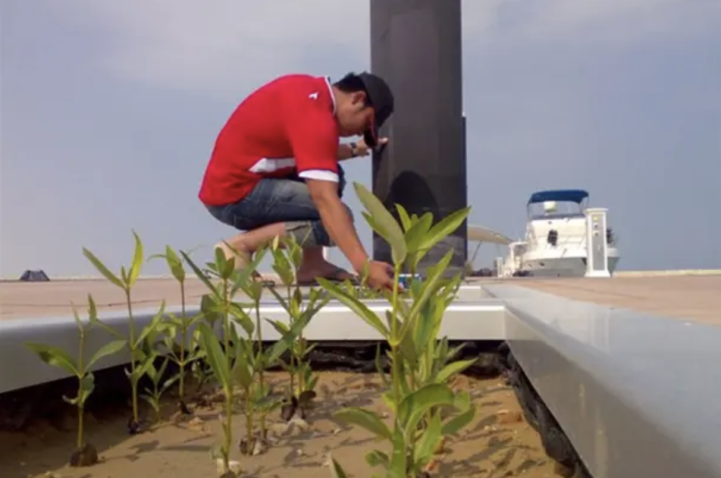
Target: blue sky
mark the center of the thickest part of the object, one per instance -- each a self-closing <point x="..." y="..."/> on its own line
<point x="110" y="110"/>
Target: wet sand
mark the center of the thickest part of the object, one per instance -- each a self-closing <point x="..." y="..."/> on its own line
<point x="499" y="443"/>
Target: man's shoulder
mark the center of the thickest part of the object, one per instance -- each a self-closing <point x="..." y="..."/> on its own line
<point x="294" y="91"/>
<point x="299" y="90"/>
<point x="297" y="82"/>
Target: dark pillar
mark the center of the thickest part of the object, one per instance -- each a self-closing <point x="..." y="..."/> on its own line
<point x="416" y="48"/>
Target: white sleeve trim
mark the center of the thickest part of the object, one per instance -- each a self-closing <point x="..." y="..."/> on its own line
<point x="320" y="174"/>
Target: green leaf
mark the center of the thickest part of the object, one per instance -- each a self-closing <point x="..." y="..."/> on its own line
<point x="146" y="364"/>
<point x="416" y="235"/>
<point x="201" y="275"/>
<point x="78" y="322"/>
<point x="225" y="265"/>
<point x="356" y="306"/>
<point x="102" y="269"/>
<point x="108" y="349"/>
<point x="408" y="349"/>
<point x="442" y="229"/>
<point x="383" y="222"/>
<point x="295" y="251"/>
<point x="152" y="373"/>
<point x="92" y="308"/>
<point x="365" y="419"/>
<point x="426" y="446"/>
<point x="87" y="386"/>
<point x="415" y="404"/>
<point x="175" y="264"/>
<point x="241" y="372"/>
<point x="399" y="456"/>
<point x="152" y="401"/>
<point x="137" y="263"/>
<point x="336" y="471"/>
<point x="454" y="368"/>
<point x="287" y="340"/>
<point x="430" y="287"/>
<point x="462" y="402"/>
<point x="246" y="323"/>
<point x="406" y="221"/>
<point x="242" y="279"/>
<point x="282" y="266"/>
<point x="54" y="356"/>
<point x="458" y="422"/>
<point x="152" y="327"/>
<point x="376" y="457"/>
<point x="281" y="327"/>
<point x="210" y="308"/>
<point x="215" y="357"/>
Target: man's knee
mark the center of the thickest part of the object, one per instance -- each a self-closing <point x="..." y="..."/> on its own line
<point x="313" y="232"/>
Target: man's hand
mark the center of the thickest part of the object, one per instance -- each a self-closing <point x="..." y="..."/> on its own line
<point x="380" y="275"/>
<point x="362" y="148"/>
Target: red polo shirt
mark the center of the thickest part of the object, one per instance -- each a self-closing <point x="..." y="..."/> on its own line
<point x="287" y="123"/>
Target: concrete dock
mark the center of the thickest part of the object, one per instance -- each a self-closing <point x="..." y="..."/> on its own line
<point x="686" y="297"/>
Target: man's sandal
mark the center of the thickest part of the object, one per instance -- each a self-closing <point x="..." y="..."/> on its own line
<point x="334" y="277"/>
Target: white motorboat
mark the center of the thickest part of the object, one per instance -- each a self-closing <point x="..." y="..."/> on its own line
<point x="556" y="239"/>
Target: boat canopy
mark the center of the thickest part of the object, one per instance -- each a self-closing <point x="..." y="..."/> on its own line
<point x="564" y="195"/>
<point x="482" y="234"/>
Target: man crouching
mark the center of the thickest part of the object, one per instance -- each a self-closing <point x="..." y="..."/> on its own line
<point x="274" y="170"/>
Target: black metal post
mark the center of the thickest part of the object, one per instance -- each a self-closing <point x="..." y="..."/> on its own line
<point x="416" y="47"/>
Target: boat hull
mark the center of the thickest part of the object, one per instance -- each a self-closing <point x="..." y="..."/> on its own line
<point x="561" y="266"/>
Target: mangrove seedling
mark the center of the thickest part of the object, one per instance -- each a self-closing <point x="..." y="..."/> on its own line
<point x="254" y="290"/>
<point x="413" y="442"/>
<point x="139" y="361"/>
<point x="153" y="395"/>
<point x="218" y="361"/>
<point x="244" y="375"/>
<point x="287" y="259"/>
<point x="178" y="328"/>
<point x="142" y="355"/>
<point x="216" y="307"/>
<point x="85" y="453"/>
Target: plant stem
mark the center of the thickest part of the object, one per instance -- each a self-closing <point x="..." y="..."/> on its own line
<point x="300" y="350"/>
<point x="395" y="356"/>
<point x="131" y="333"/>
<point x="227" y="427"/>
<point x="81" y="438"/>
<point x="260" y="362"/>
<point x="249" y="420"/>
<point x="81" y="370"/>
<point x="291" y="367"/>
<point x="184" y="338"/>
<point x="229" y="389"/>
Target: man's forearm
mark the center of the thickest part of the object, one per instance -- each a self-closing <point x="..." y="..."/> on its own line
<point x="341" y="230"/>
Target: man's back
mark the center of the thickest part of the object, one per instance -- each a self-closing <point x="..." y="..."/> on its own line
<point x="256" y="140"/>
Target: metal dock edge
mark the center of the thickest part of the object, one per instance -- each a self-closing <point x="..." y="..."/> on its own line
<point x="636" y="394"/>
<point x="470" y="319"/>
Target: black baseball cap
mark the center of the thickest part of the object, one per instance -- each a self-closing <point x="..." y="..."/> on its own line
<point x="381" y="99"/>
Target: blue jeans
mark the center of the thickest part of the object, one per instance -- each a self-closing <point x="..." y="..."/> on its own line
<point x="284" y="200"/>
